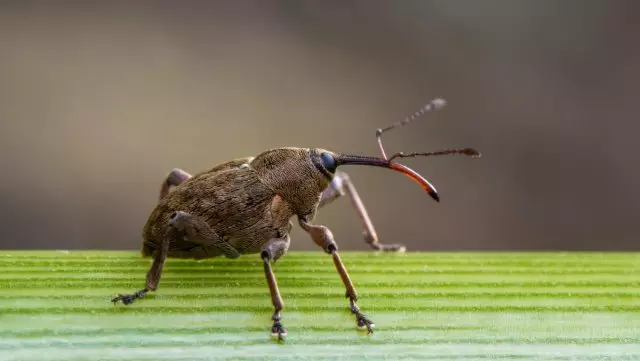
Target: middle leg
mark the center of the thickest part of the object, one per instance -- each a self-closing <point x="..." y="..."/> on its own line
<point x="272" y="251"/>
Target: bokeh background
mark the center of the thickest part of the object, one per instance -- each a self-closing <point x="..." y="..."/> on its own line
<point x="99" y="100"/>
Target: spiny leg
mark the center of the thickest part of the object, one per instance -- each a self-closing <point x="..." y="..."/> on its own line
<point x="323" y="237"/>
<point x="341" y="185"/>
<point x="176" y="177"/>
<point x="271" y="251"/>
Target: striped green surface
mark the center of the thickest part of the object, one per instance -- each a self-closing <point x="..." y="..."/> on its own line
<point x="426" y="306"/>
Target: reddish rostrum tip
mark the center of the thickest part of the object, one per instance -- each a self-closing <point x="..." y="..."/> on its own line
<point x="428" y="187"/>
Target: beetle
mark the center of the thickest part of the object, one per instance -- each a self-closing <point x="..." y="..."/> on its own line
<point x="246" y="205"/>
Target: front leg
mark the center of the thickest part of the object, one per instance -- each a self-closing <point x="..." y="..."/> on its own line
<point x="323" y="237"/>
<point x="272" y="251"/>
<point x="342" y="185"/>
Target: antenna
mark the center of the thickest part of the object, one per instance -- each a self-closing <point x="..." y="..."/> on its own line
<point x="435" y="104"/>
<point x="461" y="151"/>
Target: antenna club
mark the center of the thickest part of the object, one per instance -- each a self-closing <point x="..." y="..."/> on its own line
<point x="473" y="153"/>
<point x="438" y="103"/>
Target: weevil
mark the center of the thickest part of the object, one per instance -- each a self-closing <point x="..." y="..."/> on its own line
<point x="246" y="206"/>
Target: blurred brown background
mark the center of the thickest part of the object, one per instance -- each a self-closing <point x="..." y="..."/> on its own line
<point x="99" y="100"/>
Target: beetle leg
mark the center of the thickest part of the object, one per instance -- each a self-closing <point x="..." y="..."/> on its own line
<point x="181" y="224"/>
<point x="323" y="237"/>
<point x="176" y="177"/>
<point x="198" y="231"/>
<point x="153" y="275"/>
<point x="271" y="251"/>
<point x="342" y="185"/>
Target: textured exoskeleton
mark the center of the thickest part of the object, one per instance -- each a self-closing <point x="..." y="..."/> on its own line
<point x="245" y="206"/>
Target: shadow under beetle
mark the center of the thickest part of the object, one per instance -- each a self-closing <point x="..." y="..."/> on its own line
<point x="245" y="206"/>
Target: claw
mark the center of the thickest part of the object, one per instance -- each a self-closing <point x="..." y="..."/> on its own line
<point x="365" y="323"/>
<point x="128" y="299"/>
<point x="375" y="244"/>
<point x="393" y="248"/>
<point x="278" y="331"/>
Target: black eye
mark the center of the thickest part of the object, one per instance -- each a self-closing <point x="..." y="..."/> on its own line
<point x="328" y="162"/>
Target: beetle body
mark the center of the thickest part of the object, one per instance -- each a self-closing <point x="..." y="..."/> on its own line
<point x="246" y="201"/>
<point x="245" y="206"/>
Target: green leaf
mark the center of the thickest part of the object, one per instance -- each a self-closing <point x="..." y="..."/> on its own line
<point x="55" y="305"/>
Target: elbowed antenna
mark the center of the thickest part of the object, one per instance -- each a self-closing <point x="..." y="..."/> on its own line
<point x="435" y="104"/>
<point x="385" y="162"/>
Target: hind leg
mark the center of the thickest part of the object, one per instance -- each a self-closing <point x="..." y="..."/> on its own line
<point x="198" y="231"/>
<point x="176" y="177"/>
<point x="172" y="234"/>
<point x="342" y="185"/>
<point x="181" y="224"/>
